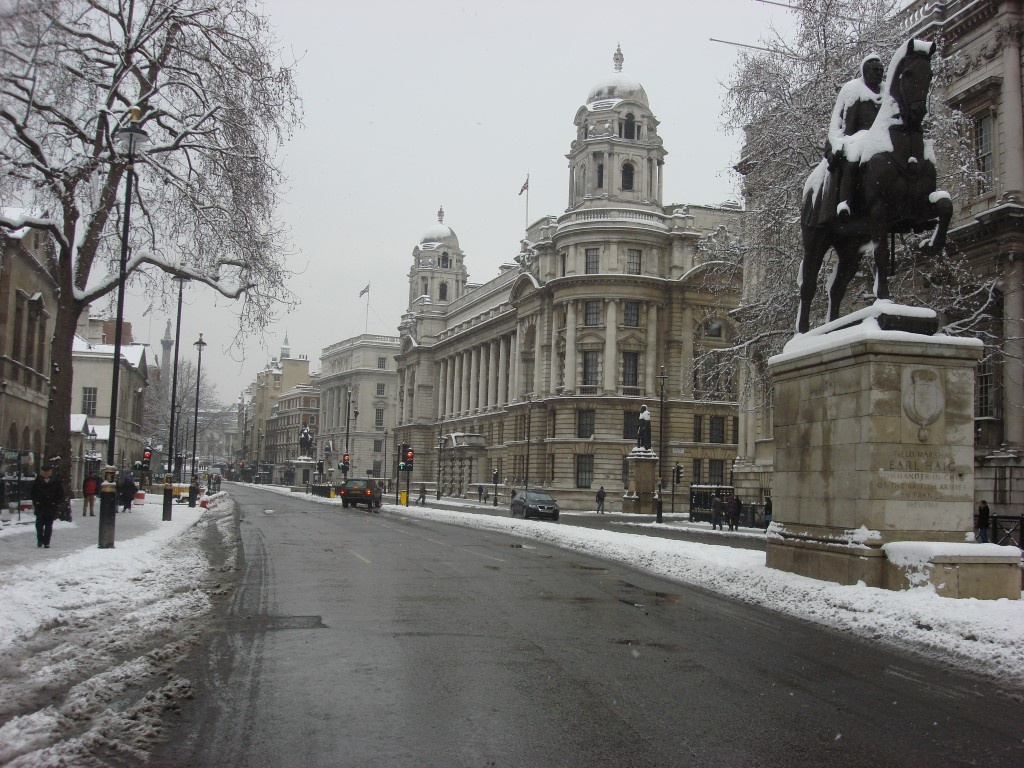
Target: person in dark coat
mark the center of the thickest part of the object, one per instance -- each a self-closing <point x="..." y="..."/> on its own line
<point x="600" y="500"/>
<point x="732" y="512"/>
<point x="717" y="509"/>
<point x="128" y="491"/>
<point x="47" y="499"/>
<point x="422" y="500"/>
<point x="767" y="511"/>
<point x="984" y="520"/>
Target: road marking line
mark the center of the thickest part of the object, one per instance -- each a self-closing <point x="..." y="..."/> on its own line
<point x="359" y="556"/>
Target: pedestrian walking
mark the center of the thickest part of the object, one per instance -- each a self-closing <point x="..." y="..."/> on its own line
<point x="480" y="493"/>
<point x="47" y="498"/>
<point x="600" y="500"/>
<point x="89" y="488"/>
<point x="984" y="520"/>
<point x="423" y="494"/>
<point x="128" y="491"/>
<point x="732" y="512"/>
<point x="767" y="511"/>
<point x="717" y="510"/>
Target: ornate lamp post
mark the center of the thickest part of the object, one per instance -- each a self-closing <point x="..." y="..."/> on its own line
<point x="130" y="139"/>
<point x="200" y="345"/>
<point x="387" y="469"/>
<point x="529" y="419"/>
<point x="661" y="377"/>
<point x="440" y="445"/>
<point x="169" y="477"/>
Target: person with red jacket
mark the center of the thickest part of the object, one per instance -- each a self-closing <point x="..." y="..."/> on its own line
<point x="89" y="488"/>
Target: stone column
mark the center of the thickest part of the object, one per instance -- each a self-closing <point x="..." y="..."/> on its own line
<point x="1012" y="139"/>
<point x="538" y="360"/>
<point x="513" y="379"/>
<point x="611" y="347"/>
<point x="481" y="382"/>
<point x="442" y="387"/>
<point x="474" y="378"/>
<point x="457" y="385"/>
<point x="1013" y="342"/>
<point x="570" y="348"/>
<point x="465" y="402"/>
<point x="492" y="375"/>
<point x="553" y="354"/>
<point x="650" y="383"/>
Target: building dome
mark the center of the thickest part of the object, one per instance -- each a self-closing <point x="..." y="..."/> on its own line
<point x="617" y="88"/>
<point x="440" y="233"/>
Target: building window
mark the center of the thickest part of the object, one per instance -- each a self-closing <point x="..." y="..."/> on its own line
<point x="600" y="175"/>
<point x="983" y="152"/>
<point x="426" y="288"/>
<point x="696" y="471"/>
<point x="585" y="424"/>
<point x="717" y="432"/>
<point x="713" y="328"/>
<point x="633" y="261"/>
<point x="382" y="363"/>
<point x="736" y="429"/>
<point x="584" y="471"/>
<point x="442" y="293"/>
<point x="378" y="446"/>
<point x="593" y="261"/>
<point x="698" y="429"/>
<point x="564" y="259"/>
<point x="378" y="467"/>
<point x="627" y="177"/>
<point x="592" y="313"/>
<point x="444" y="260"/>
<point x="630" y="369"/>
<point x="716" y="472"/>
<point x="984" y="393"/>
<point x="630" y="425"/>
<point x="378" y="417"/>
<point x="590" y="369"/>
<point x="631" y="314"/>
<point x="380" y="390"/>
<point x="89" y="401"/>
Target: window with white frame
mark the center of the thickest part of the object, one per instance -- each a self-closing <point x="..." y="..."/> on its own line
<point x="633" y="261"/>
<point x="983" y="152"/>
<point x="593" y="261"/>
<point x="89" y="401"/>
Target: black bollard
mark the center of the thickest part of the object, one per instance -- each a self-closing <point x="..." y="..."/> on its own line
<point x="108" y="509"/>
<point x="168" y="496"/>
<point x="193" y="492"/>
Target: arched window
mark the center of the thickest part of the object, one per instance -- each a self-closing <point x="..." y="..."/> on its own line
<point x="627" y="176"/>
<point x="443" y="292"/>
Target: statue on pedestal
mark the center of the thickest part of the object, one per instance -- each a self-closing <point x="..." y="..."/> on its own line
<point x="643" y="432"/>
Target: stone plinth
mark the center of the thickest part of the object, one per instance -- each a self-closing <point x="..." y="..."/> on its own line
<point x="643" y="471"/>
<point x="874" y="443"/>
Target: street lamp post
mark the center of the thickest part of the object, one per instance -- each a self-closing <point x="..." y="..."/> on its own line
<point x="387" y="469"/>
<point x="440" y="445"/>
<point x="169" y="476"/>
<point x="200" y="345"/>
<point x="130" y="139"/>
<point x="349" y="415"/>
<point x="529" y="419"/>
<point x="661" y="377"/>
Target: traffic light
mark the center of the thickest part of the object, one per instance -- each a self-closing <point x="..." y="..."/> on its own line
<point x="494" y="476"/>
<point x="678" y="474"/>
<point x="408" y="458"/>
<point x="401" y="457"/>
<point x="146" y="456"/>
<point x="344" y="463"/>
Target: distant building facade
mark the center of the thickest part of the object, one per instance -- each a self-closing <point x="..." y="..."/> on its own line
<point x="359" y="406"/>
<point x="537" y="376"/>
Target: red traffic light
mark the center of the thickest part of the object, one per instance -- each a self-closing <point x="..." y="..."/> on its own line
<point x="408" y="455"/>
<point x="147" y="455"/>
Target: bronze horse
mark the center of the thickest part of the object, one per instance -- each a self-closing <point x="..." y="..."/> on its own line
<point x="896" y="193"/>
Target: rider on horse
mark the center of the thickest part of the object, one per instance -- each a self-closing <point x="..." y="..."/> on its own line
<point x="855" y="110"/>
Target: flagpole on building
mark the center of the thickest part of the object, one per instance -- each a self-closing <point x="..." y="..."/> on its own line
<point x="526" y="188"/>
<point x="366" y="322"/>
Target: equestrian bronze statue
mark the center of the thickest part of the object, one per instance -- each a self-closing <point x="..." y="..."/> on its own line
<point x="894" y="191"/>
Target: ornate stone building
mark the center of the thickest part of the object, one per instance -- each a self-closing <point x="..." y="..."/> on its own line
<point x="537" y="375"/>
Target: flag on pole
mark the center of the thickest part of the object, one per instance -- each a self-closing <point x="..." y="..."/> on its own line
<point x="365" y="291"/>
<point x="526" y="185"/>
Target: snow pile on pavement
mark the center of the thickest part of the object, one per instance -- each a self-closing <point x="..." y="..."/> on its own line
<point x="86" y="640"/>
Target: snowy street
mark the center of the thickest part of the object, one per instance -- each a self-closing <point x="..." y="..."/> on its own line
<point x="90" y="638"/>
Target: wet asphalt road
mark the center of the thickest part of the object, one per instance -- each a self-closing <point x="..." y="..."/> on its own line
<point x="358" y="639"/>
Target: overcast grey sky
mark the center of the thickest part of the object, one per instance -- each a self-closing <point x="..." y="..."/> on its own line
<point x="413" y="105"/>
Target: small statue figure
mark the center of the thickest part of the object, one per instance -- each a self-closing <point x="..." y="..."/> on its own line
<point x="643" y="432"/>
<point x="305" y="441"/>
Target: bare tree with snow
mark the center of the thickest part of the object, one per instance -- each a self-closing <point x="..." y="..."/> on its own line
<point x="216" y="104"/>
